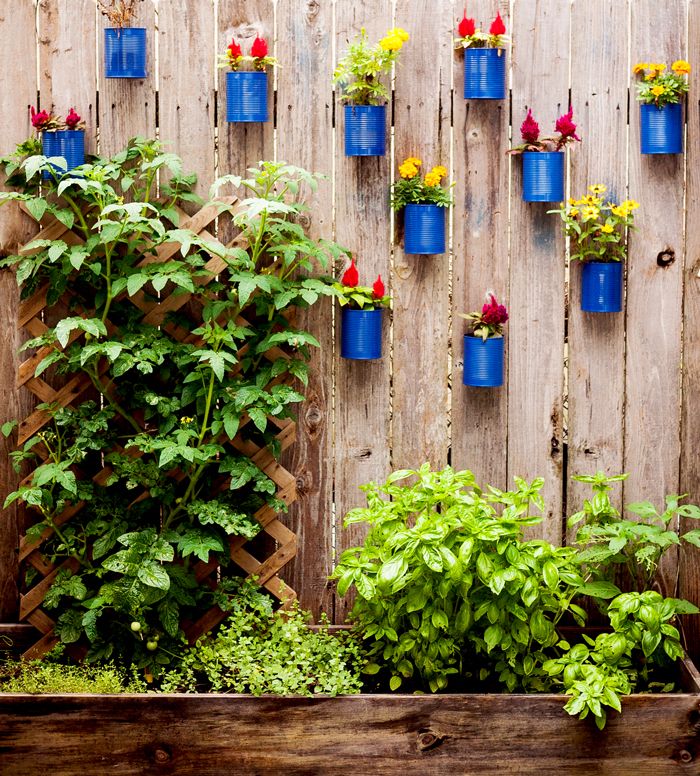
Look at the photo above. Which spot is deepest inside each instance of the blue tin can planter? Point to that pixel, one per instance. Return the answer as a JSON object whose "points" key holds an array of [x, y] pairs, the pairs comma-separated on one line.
{"points": [[484, 74], [483, 362], [51, 146], [543, 176], [73, 147], [365, 130], [424, 229], [246, 96], [125, 52], [601, 287], [661, 129], [361, 334]]}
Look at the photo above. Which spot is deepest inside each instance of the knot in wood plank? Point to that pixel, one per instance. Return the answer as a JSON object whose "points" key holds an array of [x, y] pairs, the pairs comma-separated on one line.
{"points": [[428, 739], [666, 257]]}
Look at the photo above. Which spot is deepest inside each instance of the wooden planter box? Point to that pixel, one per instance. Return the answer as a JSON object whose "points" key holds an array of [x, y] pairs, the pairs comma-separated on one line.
{"points": [[363, 735]]}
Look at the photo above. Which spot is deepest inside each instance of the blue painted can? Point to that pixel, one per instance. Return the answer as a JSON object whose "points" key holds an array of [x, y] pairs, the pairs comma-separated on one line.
{"points": [[51, 146], [365, 130], [424, 229], [543, 176], [483, 361], [246, 96], [484, 74], [125, 52], [361, 334], [73, 147], [661, 129], [601, 287]]}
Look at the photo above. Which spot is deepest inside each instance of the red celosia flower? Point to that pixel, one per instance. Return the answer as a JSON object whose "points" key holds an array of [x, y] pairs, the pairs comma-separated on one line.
{"points": [[234, 50], [497, 27], [351, 277], [72, 119], [259, 48], [566, 127], [466, 27], [493, 313], [378, 288], [530, 129], [40, 119]]}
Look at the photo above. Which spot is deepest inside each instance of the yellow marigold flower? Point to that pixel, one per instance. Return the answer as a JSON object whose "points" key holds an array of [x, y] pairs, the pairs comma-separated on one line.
{"points": [[630, 204], [607, 228], [433, 179], [400, 33], [590, 213], [657, 91], [598, 188], [408, 170], [440, 170], [413, 160], [681, 67], [640, 67], [391, 43]]}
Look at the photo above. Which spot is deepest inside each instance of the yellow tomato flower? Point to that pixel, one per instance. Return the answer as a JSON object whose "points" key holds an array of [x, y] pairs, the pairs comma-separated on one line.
{"points": [[391, 43], [681, 67], [590, 212], [598, 188], [607, 228], [433, 178], [408, 170]]}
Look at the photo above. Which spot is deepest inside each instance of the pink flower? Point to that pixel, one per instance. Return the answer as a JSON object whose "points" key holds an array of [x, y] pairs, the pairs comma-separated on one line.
{"points": [[530, 129], [259, 48], [467, 27], [497, 27], [566, 127], [40, 119], [72, 119], [493, 313], [378, 290], [351, 277]]}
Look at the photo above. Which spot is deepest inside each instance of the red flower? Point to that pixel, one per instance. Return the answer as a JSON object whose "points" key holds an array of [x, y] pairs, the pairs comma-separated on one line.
{"points": [[40, 119], [530, 129], [378, 288], [497, 27], [467, 27], [566, 127], [259, 48], [72, 119], [351, 277], [493, 313], [234, 50]]}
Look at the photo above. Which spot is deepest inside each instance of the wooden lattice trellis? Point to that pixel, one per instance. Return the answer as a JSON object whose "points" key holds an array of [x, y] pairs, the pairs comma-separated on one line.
{"points": [[264, 570]]}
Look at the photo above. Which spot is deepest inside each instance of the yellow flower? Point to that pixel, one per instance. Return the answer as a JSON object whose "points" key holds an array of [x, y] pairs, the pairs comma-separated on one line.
{"points": [[657, 91], [598, 188], [681, 67], [408, 170], [400, 33], [607, 228], [589, 199], [391, 43], [640, 67], [440, 170], [413, 160], [619, 211], [573, 212], [630, 204], [590, 213], [185, 420], [433, 178], [573, 201]]}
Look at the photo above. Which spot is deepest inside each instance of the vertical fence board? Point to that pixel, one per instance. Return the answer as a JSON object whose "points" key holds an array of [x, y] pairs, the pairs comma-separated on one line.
{"points": [[690, 418], [362, 226], [654, 283], [186, 100], [536, 327], [479, 418], [305, 138], [18, 56], [599, 83], [421, 283], [127, 107]]}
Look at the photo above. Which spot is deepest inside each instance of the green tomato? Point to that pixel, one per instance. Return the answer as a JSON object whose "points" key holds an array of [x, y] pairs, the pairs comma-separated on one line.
{"points": [[136, 626], [151, 645]]}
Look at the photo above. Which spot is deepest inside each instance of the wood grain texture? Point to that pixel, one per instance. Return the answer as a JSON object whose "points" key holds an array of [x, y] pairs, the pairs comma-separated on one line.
{"points": [[186, 99], [305, 138], [127, 107], [654, 289], [421, 283], [596, 385], [362, 388], [479, 416], [537, 267], [474, 735]]}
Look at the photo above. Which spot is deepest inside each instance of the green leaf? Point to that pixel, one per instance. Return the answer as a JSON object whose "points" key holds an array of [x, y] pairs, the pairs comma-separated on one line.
{"points": [[395, 683], [153, 574], [599, 590], [36, 207]]}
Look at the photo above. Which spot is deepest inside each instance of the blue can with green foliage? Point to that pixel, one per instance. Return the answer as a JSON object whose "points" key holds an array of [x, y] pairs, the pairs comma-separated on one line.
{"points": [[246, 96], [601, 287], [483, 361], [543, 176], [361, 334], [661, 129], [365, 130], [484, 74], [51, 146], [125, 52], [73, 147], [424, 229]]}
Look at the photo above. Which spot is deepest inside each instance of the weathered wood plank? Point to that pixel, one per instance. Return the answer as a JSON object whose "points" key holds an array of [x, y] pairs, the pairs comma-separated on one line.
{"points": [[654, 287], [537, 267], [421, 283], [305, 138], [449, 734], [479, 416], [362, 401], [596, 385], [127, 107]]}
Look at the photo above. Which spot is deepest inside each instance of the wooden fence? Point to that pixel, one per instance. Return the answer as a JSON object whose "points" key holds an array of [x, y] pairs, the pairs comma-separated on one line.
{"points": [[583, 392]]}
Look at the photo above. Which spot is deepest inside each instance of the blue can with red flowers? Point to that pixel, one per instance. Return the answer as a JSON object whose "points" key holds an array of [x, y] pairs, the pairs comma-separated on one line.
{"points": [[246, 96], [661, 128], [424, 229], [601, 287], [485, 74], [483, 361], [543, 176], [125, 52], [361, 334], [365, 130]]}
